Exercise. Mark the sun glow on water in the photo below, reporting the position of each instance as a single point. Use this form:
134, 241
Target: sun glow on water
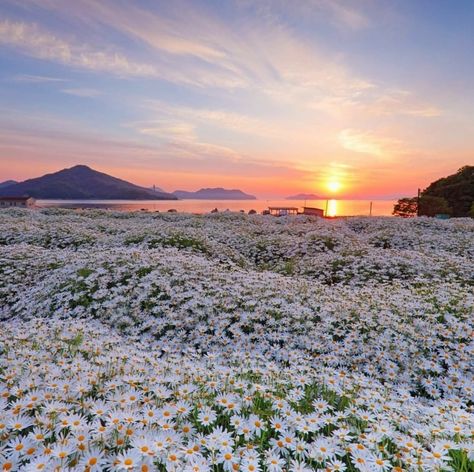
331, 208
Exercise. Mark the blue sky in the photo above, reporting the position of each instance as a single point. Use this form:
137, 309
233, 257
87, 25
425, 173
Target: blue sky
271, 96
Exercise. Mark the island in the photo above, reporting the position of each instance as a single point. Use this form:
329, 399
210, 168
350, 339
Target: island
304, 196
82, 183
214, 194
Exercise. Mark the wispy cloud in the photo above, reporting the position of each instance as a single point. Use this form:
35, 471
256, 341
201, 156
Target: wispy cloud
346, 15
399, 102
375, 101
37, 79
258, 53
219, 118
36, 42
427, 111
342, 14
167, 130
82, 92
179, 151
200, 49
368, 142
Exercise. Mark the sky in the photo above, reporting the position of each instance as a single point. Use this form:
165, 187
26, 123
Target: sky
354, 99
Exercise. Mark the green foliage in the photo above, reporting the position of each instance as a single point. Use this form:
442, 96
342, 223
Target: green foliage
289, 267
451, 195
182, 241
427, 206
405, 207
143, 271
76, 341
457, 189
85, 272
460, 461
432, 206
178, 240
135, 239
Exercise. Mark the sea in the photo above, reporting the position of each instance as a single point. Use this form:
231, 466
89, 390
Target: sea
330, 207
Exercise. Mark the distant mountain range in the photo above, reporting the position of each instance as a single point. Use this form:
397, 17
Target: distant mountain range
214, 194
304, 196
156, 189
7, 183
81, 182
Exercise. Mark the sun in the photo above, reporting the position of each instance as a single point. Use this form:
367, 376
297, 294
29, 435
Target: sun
333, 185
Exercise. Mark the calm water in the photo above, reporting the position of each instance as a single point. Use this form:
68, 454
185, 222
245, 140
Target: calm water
334, 207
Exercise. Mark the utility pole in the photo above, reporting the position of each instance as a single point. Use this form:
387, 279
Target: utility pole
370, 211
326, 211
418, 203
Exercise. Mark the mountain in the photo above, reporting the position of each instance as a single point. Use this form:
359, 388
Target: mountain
156, 189
214, 194
82, 182
457, 189
304, 196
7, 183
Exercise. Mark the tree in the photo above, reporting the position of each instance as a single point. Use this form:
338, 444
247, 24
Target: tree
406, 207
457, 189
428, 206
432, 206
472, 210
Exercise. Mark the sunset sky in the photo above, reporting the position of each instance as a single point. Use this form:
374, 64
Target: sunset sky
366, 98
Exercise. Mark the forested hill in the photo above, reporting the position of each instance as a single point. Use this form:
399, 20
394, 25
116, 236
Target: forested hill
457, 189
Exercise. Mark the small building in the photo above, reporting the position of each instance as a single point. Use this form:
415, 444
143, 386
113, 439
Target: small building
311, 211
283, 211
19, 202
